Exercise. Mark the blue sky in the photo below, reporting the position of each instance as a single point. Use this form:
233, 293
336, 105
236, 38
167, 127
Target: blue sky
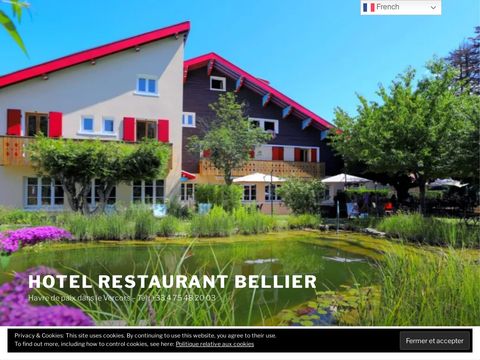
319, 52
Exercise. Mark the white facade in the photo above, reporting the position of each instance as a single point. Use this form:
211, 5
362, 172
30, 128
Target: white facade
106, 89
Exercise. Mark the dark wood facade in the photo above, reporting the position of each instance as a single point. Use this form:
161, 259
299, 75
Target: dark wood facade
197, 96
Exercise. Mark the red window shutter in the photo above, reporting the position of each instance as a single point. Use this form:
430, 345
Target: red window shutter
129, 129
14, 122
162, 130
277, 153
313, 155
298, 154
206, 153
252, 154
55, 124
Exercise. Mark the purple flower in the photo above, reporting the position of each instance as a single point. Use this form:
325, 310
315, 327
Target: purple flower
12, 240
15, 309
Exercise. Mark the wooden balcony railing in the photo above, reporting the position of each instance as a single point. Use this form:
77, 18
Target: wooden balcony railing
12, 151
279, 168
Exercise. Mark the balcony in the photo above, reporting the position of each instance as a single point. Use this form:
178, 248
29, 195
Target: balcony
12, 151
279, 168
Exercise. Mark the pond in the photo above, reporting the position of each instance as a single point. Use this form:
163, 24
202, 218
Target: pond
296, 254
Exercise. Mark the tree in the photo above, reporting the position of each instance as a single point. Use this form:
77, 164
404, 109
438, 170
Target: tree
411, 132
76, 163
229, 137
302, 196
8, 24
466, 59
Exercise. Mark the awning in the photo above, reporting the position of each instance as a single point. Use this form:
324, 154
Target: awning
345, 178
187, 176
258, 178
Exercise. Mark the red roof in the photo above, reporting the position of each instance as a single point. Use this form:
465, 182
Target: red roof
256, 83
91, 54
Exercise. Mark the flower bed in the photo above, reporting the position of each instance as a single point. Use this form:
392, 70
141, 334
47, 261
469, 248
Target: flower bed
12, 240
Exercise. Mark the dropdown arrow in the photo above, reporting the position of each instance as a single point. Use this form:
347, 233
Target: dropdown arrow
433, 7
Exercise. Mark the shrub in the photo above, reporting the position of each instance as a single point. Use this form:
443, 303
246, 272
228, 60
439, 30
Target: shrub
302, 196
168, 226
216, 223
250, 221
304, 221
229, 197
362, 190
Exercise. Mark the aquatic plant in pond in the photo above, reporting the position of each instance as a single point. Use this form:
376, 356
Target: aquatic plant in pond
12, 240
15, 309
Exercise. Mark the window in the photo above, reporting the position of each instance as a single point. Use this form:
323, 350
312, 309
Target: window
37, 123
43, 192
188, 119
146, 129
108, 125
146, 85
270, 125
187, 192
249, 192
271, 194
94, 197
87, 124
218, 83
148, 191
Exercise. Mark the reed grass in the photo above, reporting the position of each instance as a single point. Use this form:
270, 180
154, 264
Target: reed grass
304, 221
249, 221
217, 222
420, 288
168, 226
431, 231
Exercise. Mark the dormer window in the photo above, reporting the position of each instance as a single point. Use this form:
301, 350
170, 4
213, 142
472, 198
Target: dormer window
218, 83
147, 85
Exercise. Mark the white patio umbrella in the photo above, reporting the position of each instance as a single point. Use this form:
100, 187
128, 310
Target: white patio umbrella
446, 182
345, 178
258, 178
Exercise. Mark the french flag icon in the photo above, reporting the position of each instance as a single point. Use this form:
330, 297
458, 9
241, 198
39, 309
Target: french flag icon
365, 7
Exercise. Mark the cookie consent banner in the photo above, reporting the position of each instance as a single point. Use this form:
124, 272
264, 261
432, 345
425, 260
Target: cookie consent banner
238, 340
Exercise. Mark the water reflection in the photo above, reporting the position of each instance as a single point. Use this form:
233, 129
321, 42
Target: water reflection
331, 267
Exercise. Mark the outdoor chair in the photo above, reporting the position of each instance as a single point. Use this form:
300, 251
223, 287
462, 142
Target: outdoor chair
388, 208
352, 210
159, 210
204, 208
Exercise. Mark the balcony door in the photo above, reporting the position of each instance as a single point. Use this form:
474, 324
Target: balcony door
146, 129
36, 123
